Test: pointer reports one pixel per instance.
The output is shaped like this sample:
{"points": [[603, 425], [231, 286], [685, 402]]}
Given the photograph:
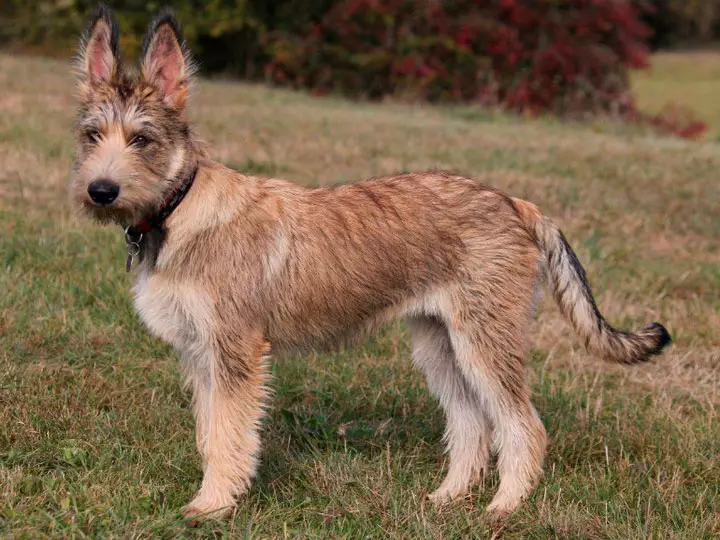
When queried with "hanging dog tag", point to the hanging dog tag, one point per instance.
{"points": [[133, 248]]}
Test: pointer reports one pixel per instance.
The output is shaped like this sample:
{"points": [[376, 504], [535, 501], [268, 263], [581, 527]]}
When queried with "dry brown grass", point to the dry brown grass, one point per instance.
{"points": [[99, 427]]}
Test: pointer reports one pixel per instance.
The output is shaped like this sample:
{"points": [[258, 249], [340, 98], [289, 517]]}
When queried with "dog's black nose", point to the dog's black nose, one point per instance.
{"points": [[103, 191]]}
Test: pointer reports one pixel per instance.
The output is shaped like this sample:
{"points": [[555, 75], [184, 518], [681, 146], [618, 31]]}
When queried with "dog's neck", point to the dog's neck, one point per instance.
{"points": [[145, 238], [218, 195], [171, 202]]}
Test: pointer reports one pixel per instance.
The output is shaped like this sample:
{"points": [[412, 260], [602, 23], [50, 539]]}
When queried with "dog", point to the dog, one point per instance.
{"points": [[229, 266]]}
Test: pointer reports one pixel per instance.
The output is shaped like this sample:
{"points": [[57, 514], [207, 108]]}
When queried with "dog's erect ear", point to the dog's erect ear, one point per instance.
{"points": [[99, 59], [165, 62]]}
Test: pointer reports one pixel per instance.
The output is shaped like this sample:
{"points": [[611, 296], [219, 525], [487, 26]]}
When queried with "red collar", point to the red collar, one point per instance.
{"points": [[170, 203], [134, 233]]}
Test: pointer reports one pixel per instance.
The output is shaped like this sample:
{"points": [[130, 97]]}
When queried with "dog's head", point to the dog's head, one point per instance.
{"points": [[133, 138]]}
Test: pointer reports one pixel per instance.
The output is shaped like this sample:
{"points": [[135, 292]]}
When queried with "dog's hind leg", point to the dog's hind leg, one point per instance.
{"points": [[467, 433], [228, 397], [490, 343], [519, 436]]}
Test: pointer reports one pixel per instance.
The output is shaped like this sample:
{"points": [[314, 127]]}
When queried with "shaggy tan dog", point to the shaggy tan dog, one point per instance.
{"points": [[231, 264]]}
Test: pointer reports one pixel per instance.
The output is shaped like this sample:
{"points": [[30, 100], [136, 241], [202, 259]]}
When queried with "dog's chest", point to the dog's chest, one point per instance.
{"points": [[180, 313]]}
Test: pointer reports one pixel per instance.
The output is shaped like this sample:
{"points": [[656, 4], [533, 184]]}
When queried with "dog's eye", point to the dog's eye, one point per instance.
{"points": [[140, 141], [93, 136]]}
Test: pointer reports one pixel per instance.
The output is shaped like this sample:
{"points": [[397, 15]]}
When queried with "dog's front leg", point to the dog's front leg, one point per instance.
{"points": [[228, 385]]}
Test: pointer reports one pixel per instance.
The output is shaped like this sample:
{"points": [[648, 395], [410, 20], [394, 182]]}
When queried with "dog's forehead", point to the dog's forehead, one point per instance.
{"points": [[117, 106]]}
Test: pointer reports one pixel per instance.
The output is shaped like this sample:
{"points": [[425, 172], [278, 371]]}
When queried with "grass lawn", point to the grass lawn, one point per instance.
{"points": [[97, 438], [688, 79]]}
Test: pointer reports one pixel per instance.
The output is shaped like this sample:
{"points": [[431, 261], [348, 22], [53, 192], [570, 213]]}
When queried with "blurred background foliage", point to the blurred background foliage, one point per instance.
{"points": [[683, 23], [227, 34], [557, 56], [224, 34]]}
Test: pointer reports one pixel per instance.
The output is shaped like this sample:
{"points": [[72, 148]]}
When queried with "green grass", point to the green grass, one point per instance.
{"points": [[97, 438], [690, 80]]}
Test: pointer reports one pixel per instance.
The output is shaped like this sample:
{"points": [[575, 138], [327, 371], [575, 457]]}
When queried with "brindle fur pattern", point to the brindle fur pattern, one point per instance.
{"points": [[245, 263]]}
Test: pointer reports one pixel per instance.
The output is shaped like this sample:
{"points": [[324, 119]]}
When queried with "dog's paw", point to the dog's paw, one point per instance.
{"points": [[497, 512], [444, 495], [201, 510]]}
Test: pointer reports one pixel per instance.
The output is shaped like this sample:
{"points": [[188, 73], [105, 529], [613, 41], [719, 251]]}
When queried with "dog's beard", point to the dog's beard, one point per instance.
{"points": [[105, 215], [116, 213]]}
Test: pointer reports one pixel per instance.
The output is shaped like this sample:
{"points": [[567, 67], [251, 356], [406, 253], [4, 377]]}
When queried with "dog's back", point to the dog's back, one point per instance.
{"points": [[229, 263]]}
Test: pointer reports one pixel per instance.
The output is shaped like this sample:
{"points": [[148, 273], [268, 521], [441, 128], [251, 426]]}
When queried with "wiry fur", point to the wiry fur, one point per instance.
{"points": [[120, 106], [246, 261], [575, 299]]}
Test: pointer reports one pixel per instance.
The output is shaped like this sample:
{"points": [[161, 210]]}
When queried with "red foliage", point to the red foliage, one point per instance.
{"points": [[674, 119], [566, 57]]}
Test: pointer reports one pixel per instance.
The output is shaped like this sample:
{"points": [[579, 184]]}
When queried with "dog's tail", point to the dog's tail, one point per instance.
{"points": [[575, 299]]}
